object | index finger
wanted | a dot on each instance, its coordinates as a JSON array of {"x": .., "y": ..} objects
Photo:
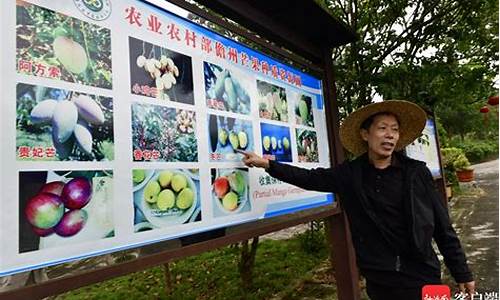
[{"x": 242, "y": 152}]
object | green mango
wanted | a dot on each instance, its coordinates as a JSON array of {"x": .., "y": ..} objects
[
  {"x": 237, "y": 182},
  {"x": 303, "y": 111},
  {"x": 219, "y": 84},
  {"x": 232, "y": 100},
  {"x": 233, "y": 139},
  {"x": 223, "y": 136},
  {"x": 243, "y": 139}
]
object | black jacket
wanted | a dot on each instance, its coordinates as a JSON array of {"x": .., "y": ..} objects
[{"x": 426, "y": 214}]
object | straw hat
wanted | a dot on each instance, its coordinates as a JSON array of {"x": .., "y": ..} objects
[{"x": 412, "y": 119}]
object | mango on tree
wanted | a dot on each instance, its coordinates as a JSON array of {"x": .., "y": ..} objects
[
  {"x": 43, "y": 111},
  {"x": 64, "y": 120},
  {"x": 83, "y": 137},
  {"x": 71, "y": 54},
  {"x": 89, "y": 109}
]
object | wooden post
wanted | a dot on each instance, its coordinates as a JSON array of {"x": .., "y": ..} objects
[
  {"x": 344, "y": 258},
  {"x": 337, "y": 226}
]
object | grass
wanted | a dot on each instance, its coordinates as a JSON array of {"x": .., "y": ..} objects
[{"x": 281, "y": 268}]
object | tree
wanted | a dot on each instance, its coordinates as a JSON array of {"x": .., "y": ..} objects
[
  {"x": 454, "y": 91},
  {"x": 397, "y": 34}
]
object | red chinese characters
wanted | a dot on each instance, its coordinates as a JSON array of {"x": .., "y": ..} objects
[
  {"x": 54, "y": 72},
  {"x": 23, "y": 152},
  {"x": 190, "y": 38},
  {"x": 50, "y": 152},
  {"x": 255, "y": 64},
  {"x": 35, "y": 153},
  {"x": 145, "y": 90},
  {"x": 24, "y": 66},
  {"x": 133, "y": 16},
  {"x": 264, "y": 67},
  {"x": 298, "y": 80},
  {"x": 213, "y": 103},
  {"x": 206, "y": 44},
  {"x": 137, "y": 154},
  {"x": 220, "y": 50},
  {"x": 154, "y": 24},
  {"x": 282, "y": 74},
  {"x": 147, "y": 155},
  {"x": 244, "y": 58},
  {"x": 173, "y": 32},
  {"x": 38, "y": 69},
  {"x": 289, "y": 76},
  {"x": 274, "y": 71},
  {"x": 215, "y": 156},
  {"x": 233, "y": 55}
]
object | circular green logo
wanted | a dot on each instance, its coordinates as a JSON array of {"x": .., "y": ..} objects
[
  {"x": 93, "y": 5},
  {"x": 95, "y": 9}
]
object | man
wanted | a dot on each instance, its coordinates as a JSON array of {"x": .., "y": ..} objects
[{"x": 392, "y": 206}]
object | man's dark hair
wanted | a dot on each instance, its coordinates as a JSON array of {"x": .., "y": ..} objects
[{"x": 369, "y": 121}]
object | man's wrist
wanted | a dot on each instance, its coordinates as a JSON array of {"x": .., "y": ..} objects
[{"x": 267, "y": 164}]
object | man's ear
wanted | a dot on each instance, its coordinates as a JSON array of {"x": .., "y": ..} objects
[{"x": 364, "y": 134}]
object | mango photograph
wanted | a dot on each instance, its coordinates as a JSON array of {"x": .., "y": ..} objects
[
  {"x": 165, "y": 197},
  {"x": 53, "y": 45},
  {"x": 303, "y": 110},
  {"x": 57, "y": 208},
  {"x": 276, "y": 142},
  {"x": 225, "y": 89},
  {"x": 307, "y": 145},
  {"x": 162, "y": 133},
  {"x": 230, "y": 191},
  {"x": 160, "y": 73},
  {"x": 59, "y": 125},
  {"x": 273, "y": 104},
  {"x": 227, "y": 135}
]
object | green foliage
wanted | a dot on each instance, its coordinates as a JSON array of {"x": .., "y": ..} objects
[
  {"x": 477, "y": 150},
  {"x": 454, "y": 159},
  {"x": 313, "y": 240},
  {"x": 212, "y": 275},
  {"x": 38, "y": 27},
  {"x": 159, "y": 128},
  {"x": 406, "y": 47}
]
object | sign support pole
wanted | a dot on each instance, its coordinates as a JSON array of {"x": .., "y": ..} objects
[{"x": 342, "y": 254}]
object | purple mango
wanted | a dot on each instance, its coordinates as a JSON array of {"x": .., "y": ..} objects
[
  {"x": 71, "y": 223},
  {"x": 44, "y": 210},
  {"x": 42, "y": 232},
  {"x": 77, "y": 193},
  {"x": 54, "y": 187}
]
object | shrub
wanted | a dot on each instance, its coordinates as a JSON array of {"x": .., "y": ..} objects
[
  {"x": 453, "y": 159},
  {"x": 477, "y": 150}
]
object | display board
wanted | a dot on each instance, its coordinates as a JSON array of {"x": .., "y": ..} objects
[
  {"x": 120, "y": 125},
  {"x": 426, "y": 149}
]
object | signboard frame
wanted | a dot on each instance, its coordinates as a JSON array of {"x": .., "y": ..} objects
[
  {"x": 336, "y": 222},
  {"x": 439, "y": 179}
]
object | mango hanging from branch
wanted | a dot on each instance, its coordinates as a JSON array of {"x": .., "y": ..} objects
[{"x": 71, "y": 54}]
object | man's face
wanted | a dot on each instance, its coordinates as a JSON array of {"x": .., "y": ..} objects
[{"x": 382, "y": 136}]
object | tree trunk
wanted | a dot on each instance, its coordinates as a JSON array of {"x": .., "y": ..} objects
[
  {"x": 168, "y": 279},
  {"x": 247, "y": 262}
]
